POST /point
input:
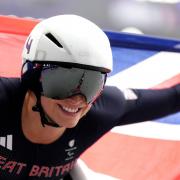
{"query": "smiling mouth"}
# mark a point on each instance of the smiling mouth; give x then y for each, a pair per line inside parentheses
(69, 110)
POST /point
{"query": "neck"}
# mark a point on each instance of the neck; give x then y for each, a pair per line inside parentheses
(31, 123)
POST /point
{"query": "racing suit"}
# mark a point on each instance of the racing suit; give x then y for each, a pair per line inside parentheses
(21, 159)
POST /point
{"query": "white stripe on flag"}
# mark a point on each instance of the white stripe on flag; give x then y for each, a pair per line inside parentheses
(150, 129)
(148, 73)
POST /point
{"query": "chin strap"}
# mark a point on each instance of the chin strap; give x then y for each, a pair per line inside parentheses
(30, 81)
(45, 119)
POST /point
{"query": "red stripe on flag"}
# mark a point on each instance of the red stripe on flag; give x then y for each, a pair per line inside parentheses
(168, 83)
(128, 157)
(16, 25)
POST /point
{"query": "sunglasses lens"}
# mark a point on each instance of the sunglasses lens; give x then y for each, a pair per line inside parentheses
(60, 83)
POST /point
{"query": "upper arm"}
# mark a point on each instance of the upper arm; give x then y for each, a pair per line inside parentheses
(120, 107)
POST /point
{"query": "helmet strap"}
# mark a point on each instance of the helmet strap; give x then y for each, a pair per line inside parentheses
(45, 119)
(36, 88)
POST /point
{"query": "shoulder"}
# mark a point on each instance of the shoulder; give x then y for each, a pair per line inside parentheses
(112, 92)
(10, 100)
(8, 83)
(110, 103)
(9, 88)
(118, 96)
(113, 101)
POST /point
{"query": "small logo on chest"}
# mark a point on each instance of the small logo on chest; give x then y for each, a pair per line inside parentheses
(70, 151)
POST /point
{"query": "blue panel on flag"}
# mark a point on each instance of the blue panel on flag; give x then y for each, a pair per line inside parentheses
(126, 57)
(171, 119)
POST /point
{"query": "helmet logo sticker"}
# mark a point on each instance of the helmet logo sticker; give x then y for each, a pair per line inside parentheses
(28, 44)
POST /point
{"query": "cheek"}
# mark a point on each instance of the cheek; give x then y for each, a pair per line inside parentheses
(47, 104)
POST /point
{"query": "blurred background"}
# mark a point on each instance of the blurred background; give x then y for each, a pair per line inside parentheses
(151, 17)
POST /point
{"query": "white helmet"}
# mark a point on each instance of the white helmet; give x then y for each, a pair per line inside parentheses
(70, 39)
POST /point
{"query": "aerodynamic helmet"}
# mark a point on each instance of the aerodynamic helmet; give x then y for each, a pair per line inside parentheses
(68, 39)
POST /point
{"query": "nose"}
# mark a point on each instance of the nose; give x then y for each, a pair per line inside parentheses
(77, 99)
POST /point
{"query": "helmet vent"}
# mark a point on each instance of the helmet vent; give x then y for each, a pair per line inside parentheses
(54, 40)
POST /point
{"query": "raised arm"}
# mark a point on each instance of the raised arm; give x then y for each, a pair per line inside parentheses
(151, 104)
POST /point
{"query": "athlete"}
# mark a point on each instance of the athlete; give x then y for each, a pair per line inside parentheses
(60, 106)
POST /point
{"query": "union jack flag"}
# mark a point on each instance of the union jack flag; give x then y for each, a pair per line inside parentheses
(148, 150)
(142, 151)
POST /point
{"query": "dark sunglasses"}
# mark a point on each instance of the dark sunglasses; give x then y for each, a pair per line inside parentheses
(62, 82)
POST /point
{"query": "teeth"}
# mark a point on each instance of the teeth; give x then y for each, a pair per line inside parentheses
(71, 110)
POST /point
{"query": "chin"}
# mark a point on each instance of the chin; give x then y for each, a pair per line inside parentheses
(71, 125)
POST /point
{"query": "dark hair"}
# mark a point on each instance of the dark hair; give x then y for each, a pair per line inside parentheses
(31, 78)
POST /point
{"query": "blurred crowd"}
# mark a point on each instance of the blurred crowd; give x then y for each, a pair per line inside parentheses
(155, 17)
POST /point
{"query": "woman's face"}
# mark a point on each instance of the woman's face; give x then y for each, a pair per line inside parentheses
(66, 112)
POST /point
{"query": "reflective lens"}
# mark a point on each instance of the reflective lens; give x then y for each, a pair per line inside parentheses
(60, 83)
